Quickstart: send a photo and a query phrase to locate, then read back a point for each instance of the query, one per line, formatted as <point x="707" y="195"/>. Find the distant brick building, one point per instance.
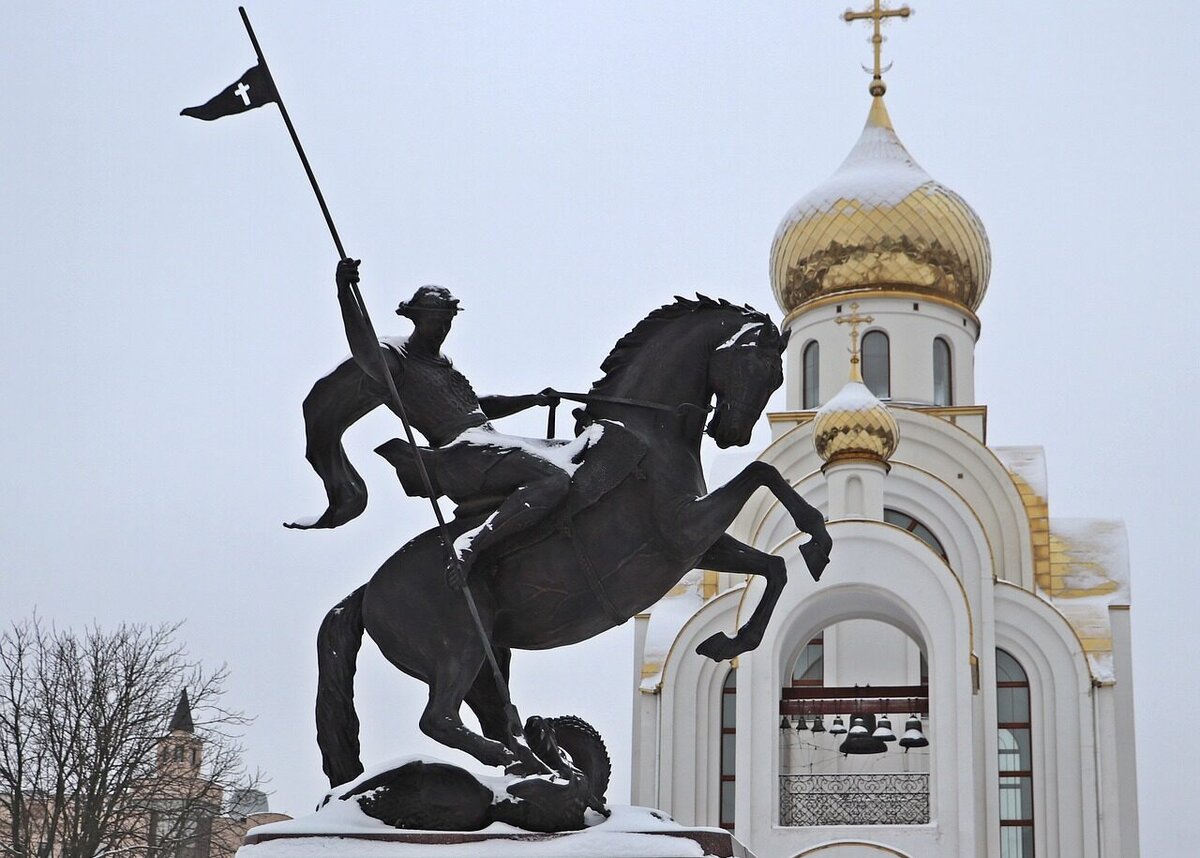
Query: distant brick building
<point x="194" y="818"/>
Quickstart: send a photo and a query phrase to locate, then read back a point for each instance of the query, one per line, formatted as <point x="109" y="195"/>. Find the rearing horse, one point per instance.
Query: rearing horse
<point x="637" y="519"/>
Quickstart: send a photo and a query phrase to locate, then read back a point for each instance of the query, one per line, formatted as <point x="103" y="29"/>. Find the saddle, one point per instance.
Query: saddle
<point x="599" y="460"/>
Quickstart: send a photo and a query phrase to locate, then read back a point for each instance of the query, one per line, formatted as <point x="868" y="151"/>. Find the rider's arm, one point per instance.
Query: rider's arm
<point x="363" y="345"/>
<point x="495" y="407"/>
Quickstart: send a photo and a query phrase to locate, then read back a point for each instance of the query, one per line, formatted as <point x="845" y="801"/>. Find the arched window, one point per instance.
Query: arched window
<point x="728" y="748"/>
<point x="916" y="528"/>
<point x="1016" y="758"/>
<point x="877" y="364"/>
<point x="809" y="668"/>
<point x="812" y="369"/>
<point x="943" y="385"/>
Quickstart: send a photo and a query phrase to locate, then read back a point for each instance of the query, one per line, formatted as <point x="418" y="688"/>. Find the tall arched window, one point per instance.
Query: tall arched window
<point x="943" y="385"/>
<point x="877" y="364"/>
<point x="728" y="748"/>
<point x="812" y="369"/>
<point x="1016" y="758"/>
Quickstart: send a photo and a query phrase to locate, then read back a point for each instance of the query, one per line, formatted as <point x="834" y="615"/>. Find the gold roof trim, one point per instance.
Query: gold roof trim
<point x="881" y="292"/>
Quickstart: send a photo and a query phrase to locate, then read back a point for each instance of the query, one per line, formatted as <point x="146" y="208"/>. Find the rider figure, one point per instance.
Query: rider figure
<point x="440" y="404"/>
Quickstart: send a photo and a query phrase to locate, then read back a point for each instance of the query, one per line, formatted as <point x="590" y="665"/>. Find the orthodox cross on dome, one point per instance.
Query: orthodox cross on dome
<point x="876" y="14"/>
<point x="854" y="320"/>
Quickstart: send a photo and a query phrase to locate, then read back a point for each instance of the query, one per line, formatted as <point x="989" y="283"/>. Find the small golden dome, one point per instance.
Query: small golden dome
<point x="880" y="223"/>
<point x="854" y="424"/>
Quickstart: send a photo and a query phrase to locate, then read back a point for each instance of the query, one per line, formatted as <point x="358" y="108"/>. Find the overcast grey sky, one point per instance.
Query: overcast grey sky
<point x="563" y="168"/>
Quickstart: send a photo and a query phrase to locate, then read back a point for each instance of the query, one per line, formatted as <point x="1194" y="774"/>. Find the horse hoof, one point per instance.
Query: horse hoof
<point x="815" y="559"/>
<point x="719" y="647"/>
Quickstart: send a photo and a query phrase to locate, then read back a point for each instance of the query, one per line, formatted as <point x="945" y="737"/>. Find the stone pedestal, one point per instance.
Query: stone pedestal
<point x="668" y="840"/>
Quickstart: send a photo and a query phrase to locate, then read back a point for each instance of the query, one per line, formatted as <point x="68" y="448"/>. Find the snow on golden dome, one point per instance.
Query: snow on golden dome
<point x="854" y="424"/>
<point x="880" y="223"/>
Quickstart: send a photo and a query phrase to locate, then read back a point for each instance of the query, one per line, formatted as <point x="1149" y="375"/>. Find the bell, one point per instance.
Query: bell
<point x="860" y="741"/>
<point x="884" y="730"/>
<point x="913" y="737"/>
<point x="801" y="724"/>
<point x="838" y="727"/>
<point x="818" y="725"/>
<point x="784" y="724"/>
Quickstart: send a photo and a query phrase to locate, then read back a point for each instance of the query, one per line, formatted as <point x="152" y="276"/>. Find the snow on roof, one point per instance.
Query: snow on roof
<point x="1089" y="573"/>
<point x="879" y="171"/>
<point x="1091" y="557"/>
<point x="1028" y="463"/>
<point x="854" y="396"/>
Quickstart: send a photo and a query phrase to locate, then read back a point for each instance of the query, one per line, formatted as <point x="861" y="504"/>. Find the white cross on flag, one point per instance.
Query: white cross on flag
<point x="251" y="90"/>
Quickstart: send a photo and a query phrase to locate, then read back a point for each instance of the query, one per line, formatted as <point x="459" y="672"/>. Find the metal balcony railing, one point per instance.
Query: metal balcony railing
<point x="878" y="798"/>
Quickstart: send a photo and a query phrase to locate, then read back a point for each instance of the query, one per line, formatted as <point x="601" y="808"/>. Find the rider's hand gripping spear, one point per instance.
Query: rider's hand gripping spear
<point x="254" y="89"/>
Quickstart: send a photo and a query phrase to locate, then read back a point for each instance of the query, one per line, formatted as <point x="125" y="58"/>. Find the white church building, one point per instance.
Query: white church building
<point x="992" y="636"/>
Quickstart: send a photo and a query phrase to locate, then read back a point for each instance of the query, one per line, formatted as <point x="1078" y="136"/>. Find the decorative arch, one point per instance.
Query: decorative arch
<point x="1060" y="698"/>
<point x="932" y="455"/>
<point x="851" y="849"/>
<point x="857" y="586"/>
<point x="690" y="699"/>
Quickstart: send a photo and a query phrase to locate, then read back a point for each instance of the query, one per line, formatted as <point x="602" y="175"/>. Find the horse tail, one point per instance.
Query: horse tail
<point x="338" y="642"/>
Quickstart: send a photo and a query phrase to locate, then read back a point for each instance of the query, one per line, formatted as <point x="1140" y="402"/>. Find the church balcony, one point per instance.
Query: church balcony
<point x="876" y="798"/>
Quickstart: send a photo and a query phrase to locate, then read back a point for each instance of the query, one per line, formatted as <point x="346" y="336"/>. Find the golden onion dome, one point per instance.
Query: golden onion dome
<point x="854" y="424"/>
<point x="880" y="223"/>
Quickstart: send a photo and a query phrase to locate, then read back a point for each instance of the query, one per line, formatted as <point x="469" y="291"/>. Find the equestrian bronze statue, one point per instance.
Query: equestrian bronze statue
<point x="562" y="539"/>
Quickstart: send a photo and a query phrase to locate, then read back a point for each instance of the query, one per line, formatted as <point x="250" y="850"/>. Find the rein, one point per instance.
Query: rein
<point x="588" y="398"/>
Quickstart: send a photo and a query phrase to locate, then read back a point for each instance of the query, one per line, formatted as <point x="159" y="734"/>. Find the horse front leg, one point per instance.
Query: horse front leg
<point x="702" y="520"/>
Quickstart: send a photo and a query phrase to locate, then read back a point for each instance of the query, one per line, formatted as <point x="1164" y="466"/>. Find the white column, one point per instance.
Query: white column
<point x="856" y="489"/>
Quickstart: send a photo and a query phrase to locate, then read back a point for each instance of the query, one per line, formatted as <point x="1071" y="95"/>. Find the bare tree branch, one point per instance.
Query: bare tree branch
<point x="87" y="763"/>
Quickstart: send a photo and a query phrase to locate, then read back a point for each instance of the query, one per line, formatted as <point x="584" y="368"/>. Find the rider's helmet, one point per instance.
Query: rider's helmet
<point x="429" y="299"/>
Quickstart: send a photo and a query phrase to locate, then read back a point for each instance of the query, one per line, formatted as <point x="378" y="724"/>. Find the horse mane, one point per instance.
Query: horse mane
<point x="653" y="324"/>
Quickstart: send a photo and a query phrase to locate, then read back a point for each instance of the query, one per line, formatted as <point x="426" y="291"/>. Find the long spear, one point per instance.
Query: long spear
<point x="395" y="403"/>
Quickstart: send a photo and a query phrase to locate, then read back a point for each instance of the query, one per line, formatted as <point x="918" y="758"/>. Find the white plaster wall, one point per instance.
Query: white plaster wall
<point x="911" y="334"/>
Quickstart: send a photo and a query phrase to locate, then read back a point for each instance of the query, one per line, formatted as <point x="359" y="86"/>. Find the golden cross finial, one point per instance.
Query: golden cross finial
<point x="854" y="320"/>
<point x="876" y="14"/>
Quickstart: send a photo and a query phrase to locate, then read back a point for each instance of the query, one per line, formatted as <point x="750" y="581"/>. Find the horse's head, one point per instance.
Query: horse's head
<point x="691" y="351"/>
<point x="743" y="372"/>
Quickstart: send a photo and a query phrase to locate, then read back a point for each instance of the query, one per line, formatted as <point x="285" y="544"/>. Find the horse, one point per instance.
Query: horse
<point x="638" y="518"/>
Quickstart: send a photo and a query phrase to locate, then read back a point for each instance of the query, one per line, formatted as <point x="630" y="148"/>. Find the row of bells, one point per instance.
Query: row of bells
<point x="860" y="740"/>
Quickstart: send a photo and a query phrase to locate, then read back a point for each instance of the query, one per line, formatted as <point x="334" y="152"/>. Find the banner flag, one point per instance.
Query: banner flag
<point x="253" y="89"/>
